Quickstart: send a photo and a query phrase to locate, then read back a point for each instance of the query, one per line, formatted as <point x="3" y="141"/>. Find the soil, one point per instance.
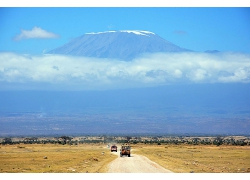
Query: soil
<point x="135" y="164"/>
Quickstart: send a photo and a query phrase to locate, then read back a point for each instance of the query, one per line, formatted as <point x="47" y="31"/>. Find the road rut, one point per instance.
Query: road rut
<point x="135" y="164"/>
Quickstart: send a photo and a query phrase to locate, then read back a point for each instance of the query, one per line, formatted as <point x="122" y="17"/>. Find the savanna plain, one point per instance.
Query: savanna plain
<point x="95" y="158"/>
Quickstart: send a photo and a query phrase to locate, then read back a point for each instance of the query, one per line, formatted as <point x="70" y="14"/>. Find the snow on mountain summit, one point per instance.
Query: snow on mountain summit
<point x="123" y="45"/>
<point x="137" y="32"/>
<point x="143" y="33"/>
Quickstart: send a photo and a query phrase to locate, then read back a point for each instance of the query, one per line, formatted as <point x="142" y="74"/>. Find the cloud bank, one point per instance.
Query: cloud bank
<point x="82" y="73"/>
<point x="36" y="32"/>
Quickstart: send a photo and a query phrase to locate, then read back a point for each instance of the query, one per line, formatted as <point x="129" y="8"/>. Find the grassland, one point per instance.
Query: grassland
<point x="49" y="158"/>
<point x="92" y="158"/>
<point x="198" y="158"/>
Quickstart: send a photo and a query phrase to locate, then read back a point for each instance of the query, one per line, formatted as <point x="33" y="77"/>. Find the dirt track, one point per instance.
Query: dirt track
<point x="135" y="164"/>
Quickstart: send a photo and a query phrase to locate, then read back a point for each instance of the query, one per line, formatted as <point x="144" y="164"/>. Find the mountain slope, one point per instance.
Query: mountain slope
<point x="124" y="45"/>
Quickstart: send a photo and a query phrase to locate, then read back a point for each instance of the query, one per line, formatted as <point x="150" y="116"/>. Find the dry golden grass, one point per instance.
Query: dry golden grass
<point x="34" y="158"/>
<point x="198" y="158"/>
<point x="90" y="158"/>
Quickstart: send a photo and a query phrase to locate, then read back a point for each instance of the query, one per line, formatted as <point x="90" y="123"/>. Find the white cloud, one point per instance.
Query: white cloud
<point x="36" y="32"/>
<point x="67" y="72"/>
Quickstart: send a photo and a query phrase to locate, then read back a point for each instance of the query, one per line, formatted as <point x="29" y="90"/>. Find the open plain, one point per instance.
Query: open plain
<point x="49" y="158"/>
<point x="97" y="158"/>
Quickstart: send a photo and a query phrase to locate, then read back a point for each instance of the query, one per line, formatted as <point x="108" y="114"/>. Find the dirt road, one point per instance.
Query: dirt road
<point x="135" y="164"/>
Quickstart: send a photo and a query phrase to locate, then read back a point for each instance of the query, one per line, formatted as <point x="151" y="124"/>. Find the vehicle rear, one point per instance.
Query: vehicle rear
<point x="125" y="150"/>
<point x="113" y="148"/>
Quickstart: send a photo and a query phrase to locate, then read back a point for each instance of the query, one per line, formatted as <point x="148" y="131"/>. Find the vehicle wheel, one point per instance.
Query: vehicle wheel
<point x="129" y="155"/>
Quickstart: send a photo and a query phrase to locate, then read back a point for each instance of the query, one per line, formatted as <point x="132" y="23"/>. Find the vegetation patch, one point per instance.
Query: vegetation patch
<point x="229" y="154"/>
<point x="198" y="158"/>
<point x="50" y="158"/>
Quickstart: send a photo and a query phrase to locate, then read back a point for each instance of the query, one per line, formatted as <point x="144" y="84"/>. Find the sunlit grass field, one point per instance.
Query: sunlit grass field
<point x="49" y="158"/>
<point x="198" y="158"/>
<point x="94" y="158"/>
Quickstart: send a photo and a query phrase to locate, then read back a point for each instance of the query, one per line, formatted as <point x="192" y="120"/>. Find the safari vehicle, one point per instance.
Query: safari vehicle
<point x="125" y="150"/>
<point x="113" y="148"/>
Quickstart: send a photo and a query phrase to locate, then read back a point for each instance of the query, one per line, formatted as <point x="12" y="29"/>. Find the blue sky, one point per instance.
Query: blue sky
<point x="198" y="29"/>
<point x="29" y="32"/>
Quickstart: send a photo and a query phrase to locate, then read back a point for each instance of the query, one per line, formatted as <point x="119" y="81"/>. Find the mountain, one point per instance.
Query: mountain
<point x="124" y="45"/>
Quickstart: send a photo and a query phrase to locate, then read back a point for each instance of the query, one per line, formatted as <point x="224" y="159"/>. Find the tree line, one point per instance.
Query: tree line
<point x="132" y="140"/>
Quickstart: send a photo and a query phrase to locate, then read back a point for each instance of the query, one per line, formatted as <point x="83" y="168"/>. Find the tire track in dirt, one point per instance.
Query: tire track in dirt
<point x="135" y="164"/>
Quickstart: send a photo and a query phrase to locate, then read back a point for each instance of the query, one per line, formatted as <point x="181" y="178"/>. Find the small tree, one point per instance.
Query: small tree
<point x="128" y="138"/>
<point x="196" y="141"/>
<point x="65" y="139"/>
<point x="7" y="141"/>
<point x="218" y="141"/>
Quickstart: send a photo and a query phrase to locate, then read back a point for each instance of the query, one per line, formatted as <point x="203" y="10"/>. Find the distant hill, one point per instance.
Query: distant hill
<point x="124" y="45"/>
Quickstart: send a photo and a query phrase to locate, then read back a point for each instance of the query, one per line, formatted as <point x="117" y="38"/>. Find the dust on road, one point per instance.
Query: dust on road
<point x="135" y="164"/>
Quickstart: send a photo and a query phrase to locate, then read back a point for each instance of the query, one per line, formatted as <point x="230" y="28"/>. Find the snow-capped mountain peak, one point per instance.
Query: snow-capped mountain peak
<point x="101" y="32"/>
<point x="137" y="32"/>
<point x="123" y="45"/>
